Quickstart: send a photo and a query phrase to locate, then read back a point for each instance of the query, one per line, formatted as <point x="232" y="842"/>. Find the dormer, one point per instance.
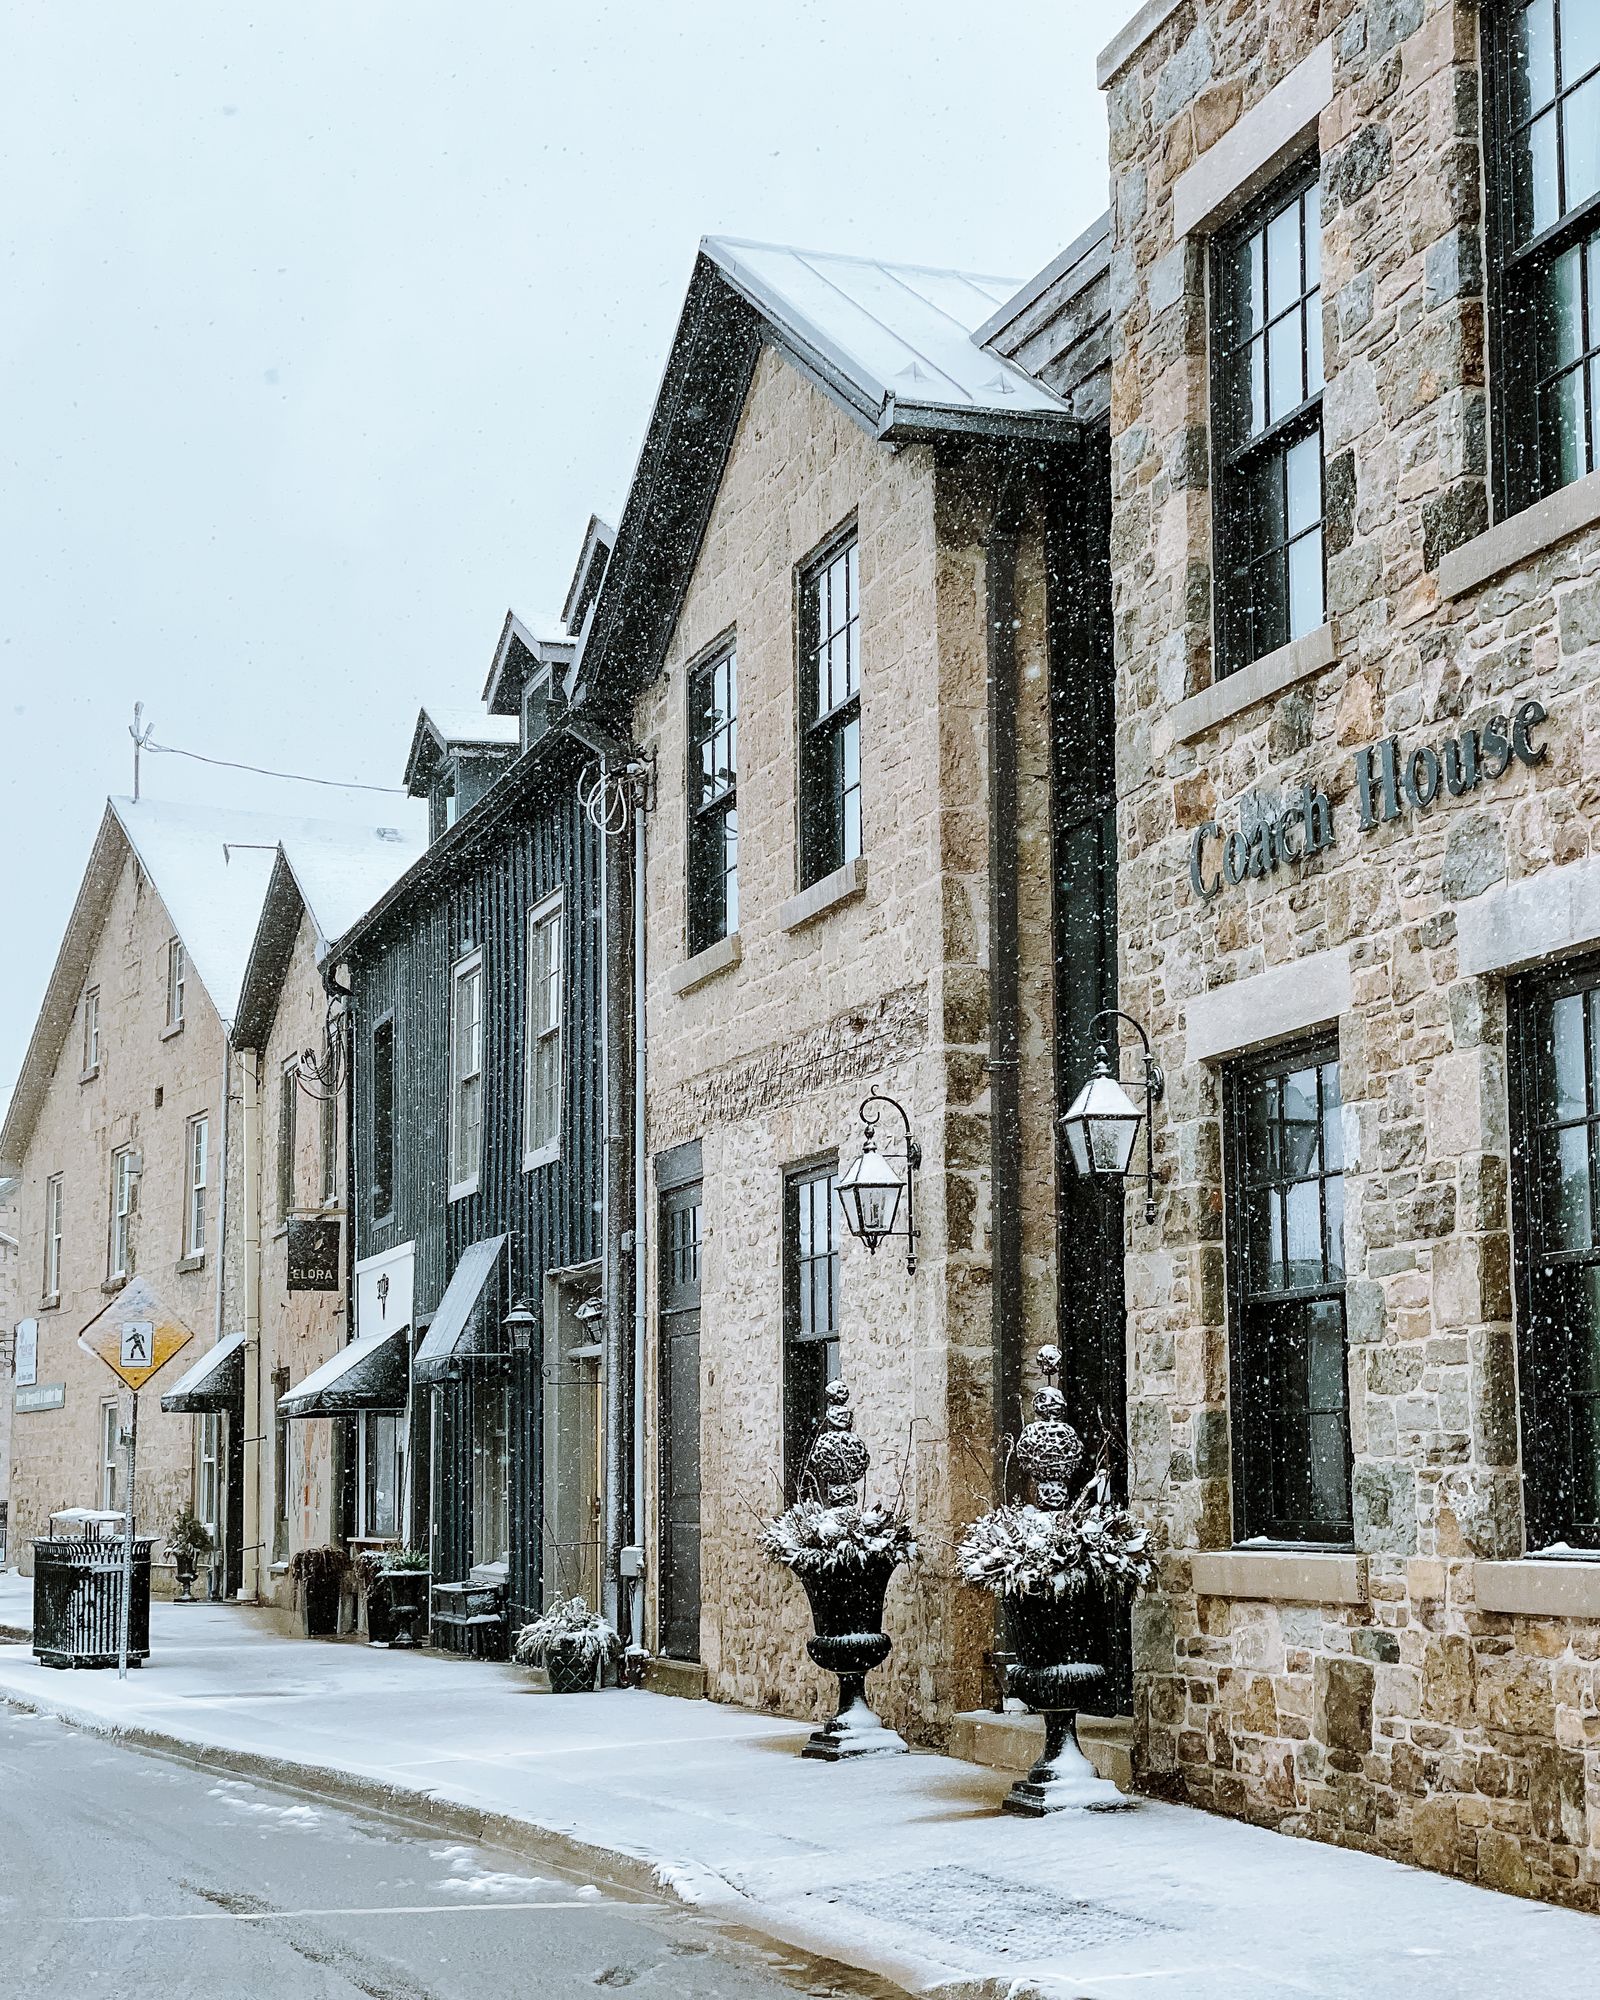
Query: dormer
<point x="598" y="541"/>
<point x="527" y="680"/>
<point x="455" y="757"/>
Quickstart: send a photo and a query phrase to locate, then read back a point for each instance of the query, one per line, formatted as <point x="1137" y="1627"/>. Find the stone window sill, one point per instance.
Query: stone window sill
<point x="116" y="1284"/>
<point x="844" y="885"/>
<point x="1280" y="1576"/>
<point x="187" y="1264"/>
<point x="172" y="1028"/>
<point x="1521" y="538"/>
<point x="1565" y="1587"/>
<point x="50" y="1303"/>
<point x="88" y="1075"/>
<point x="1260" y="681"/>
<point x="717" y="958"/>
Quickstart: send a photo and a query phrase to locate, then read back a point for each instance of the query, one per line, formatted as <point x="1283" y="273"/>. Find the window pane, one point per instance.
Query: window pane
<point x="1311" y="203"/>
<point x="1569" y="1070"/>
<point x="1303" y="481"/>
<point x="1533" y="59"/>
<point x="1283" y="258"/>
<point x="1305" y="585"/>
<point x="1581" y="120"/>
<point x="1285" y="382"/>
<point x="1571" y="1223"/>
<point x="1537" y="194"/>
<point x="1580" y="40"/>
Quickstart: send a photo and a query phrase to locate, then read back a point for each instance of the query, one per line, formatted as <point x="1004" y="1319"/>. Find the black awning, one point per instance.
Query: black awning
<point x="215" y="1382"/>
<point x="369" y="1374"/>
<point x="458" y="1328"/>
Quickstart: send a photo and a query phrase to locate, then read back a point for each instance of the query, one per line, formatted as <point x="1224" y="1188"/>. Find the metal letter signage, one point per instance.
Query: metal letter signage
<point x="313" y="1254"/>
<point x="1272" y="831"/>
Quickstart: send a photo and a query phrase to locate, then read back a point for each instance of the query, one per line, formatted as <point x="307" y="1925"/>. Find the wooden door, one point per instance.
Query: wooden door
<point x="680" y="1422"/>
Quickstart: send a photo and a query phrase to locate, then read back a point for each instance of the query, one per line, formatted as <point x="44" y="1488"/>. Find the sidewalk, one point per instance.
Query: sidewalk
<point x="900" y="1866"/>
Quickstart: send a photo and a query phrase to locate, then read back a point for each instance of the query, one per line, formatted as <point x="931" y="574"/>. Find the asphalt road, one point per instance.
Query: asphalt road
<point x="132" y="1877"/>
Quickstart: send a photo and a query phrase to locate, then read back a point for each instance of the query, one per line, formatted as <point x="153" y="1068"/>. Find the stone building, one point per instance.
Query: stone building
<point x="842" y="591"/>
<point x="1356" y="559"/>
<point x="10" y="1310"/>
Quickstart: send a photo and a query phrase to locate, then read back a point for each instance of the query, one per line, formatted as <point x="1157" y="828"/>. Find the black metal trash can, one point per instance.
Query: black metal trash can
<point x="77" y="1601"/>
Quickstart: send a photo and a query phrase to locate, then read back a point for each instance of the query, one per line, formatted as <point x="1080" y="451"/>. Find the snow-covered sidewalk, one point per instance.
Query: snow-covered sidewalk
<point x="900" y="1865"/>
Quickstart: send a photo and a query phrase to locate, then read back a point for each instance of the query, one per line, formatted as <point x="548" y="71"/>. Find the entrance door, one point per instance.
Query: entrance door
<point x="574" y="1443"/>
<point x="680" y="1422"/>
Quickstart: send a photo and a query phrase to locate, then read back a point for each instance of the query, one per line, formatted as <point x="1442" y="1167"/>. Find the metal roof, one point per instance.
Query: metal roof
<point x="897" y="341"/>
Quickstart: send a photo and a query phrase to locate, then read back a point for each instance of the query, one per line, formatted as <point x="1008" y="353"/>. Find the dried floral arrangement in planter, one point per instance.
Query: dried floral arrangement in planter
<point x="1039" y="1560"/>
<point x="189" y="1540"/>
<point x="572" y="1644"/>
<point x="844" y="1550"/>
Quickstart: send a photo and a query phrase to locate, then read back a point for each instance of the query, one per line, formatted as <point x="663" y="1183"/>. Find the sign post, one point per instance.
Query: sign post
<point x="135" y="1335"/>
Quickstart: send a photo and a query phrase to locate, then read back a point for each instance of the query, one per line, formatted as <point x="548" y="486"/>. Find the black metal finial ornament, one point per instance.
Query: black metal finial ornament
<point x="839" y="1458"/>
<point x="1049" y="1449"/>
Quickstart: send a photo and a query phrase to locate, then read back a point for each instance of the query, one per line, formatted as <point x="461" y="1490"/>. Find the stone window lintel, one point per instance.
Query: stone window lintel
<point x="1281" y="1575"/>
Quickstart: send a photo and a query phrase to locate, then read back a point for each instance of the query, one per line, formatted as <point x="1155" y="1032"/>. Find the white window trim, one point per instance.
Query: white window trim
<point x="196" y="1186"/>
<point x="54" y="1203"/>
<point x="110" y="1442"/>
<point x="177" y="980"/>
<point x="117" y="1267"/>
<point x="464" y="1184"/>
<point x="364" y="1528"/>
<point x="543" y="1156"/>
<point x="288" y="1138"/>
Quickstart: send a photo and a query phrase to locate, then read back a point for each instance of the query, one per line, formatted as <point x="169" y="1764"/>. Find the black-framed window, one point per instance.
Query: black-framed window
<point x="830" y="711"/>
<point x="810" y="1309"/>
<point x="713" y="800"/>
<point x="383" y="1117"/>
<point x="1555" y="1029"/>
<point x="1266" y="394"/>
<point x="1543" y="74"/>
<point x="1289" y="1381"/>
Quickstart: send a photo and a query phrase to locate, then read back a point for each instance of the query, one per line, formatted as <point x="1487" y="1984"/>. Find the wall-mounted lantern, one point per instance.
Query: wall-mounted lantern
<point x="1102" y="1124"/>
<point x="521" y="1323"/>
<point x="872" y="1187"/>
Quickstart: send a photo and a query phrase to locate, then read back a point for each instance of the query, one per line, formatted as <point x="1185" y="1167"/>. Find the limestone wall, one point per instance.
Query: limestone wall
<point x="1409" y="1719"/>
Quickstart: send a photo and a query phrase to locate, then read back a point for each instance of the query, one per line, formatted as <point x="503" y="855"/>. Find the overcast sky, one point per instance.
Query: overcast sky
<point x="325" y="327"/>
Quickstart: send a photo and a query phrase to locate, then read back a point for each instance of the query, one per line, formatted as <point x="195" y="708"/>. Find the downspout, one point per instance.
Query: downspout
<point x="611" y="1269"/>
<point x="640" y="1200"/>
<point x="250" y="1196"/>
<point x="1005" y="1122"/>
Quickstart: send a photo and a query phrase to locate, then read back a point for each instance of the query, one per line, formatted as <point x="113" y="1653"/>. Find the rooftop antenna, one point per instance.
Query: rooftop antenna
<point x="141" y="732"/>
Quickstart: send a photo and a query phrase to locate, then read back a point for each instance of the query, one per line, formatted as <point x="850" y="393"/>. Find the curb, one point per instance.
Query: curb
<point x="691" y="1885"/>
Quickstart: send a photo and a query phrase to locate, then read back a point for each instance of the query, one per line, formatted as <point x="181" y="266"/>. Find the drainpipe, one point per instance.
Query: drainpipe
<point x="640" y="1199"/>
<point x="250" y="1198"/>
<point x="1005" y="1123"/>
<point x="610" y="1583"/>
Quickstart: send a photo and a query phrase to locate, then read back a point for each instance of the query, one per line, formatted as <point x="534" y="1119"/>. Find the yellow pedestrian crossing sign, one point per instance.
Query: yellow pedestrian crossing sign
<point x="134" y="1334"/>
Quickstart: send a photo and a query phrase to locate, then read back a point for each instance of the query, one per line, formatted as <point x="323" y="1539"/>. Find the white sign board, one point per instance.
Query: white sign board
<point x="27" y="1356"/>
<point x="383" y="1291"/>
<point x="138" y="1342"/>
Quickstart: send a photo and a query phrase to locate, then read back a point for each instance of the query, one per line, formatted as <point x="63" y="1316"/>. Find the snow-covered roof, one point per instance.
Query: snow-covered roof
<point x="441" y="730"/>
<point x="502" y="696"/>
<point x="900" y="337"/>
<point x="211" y="867"/>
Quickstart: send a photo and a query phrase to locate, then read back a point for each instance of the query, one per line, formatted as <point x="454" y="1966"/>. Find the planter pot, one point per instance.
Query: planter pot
<point x="847" y="1611"/>
<point x="404" y="1592"/>
<point x="319" y="1605"/>
<point x="572" y="1670"/>
<point x="185" y="1569"/>
<point x="1045" y="1676"/>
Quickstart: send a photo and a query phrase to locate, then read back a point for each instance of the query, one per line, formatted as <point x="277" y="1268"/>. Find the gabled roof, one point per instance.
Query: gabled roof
<point x="333" y="877"/>
<point x="896" y="343"/>
<point x="210" y="866"/>
<point x="599" y="538"/>
<point x="508" y="671"/>
<point x="440" y="731"/>
<point x="894" y="346"/>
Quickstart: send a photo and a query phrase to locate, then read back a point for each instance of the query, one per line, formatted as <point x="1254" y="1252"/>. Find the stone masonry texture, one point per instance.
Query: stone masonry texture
<point x="1413" y="1724"/>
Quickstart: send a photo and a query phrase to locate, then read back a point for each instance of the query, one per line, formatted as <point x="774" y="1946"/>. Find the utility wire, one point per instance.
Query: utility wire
<point x="295" y="777"/>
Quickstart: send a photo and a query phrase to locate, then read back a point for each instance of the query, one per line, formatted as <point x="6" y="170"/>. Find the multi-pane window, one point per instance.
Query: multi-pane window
<point x="381" y="1473"/>
<point x="110" y="1455"/>
<point x="1285" y="1168"/>
<point x="830" y="712"/>
<point x="383" y="1118"/>
<point x="288" y="1136"/>
<point x="1267" y="413"/>
<point x="91" y="1031"/>
<point x="281" y="1477"/>
<point x="54" y="1189"/>
<point x="541" y="1111"/>
<point x="121" y="1211"/>
<point x="466" y="1073"/>
<point x="197" y="1170"/>
<point x="1556" y="1096"/>
<point x="810" y="1311"/>
<point x="713" y="801"/>
<point x="1544" y="70"/>
<point x="208" y="1473"/>
<point x="177" y="977"/>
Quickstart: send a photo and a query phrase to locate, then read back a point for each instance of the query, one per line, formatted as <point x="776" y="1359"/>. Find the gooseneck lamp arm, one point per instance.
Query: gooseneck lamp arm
<point x="1153" y="1084"/>
<point x="870" y="1194"/>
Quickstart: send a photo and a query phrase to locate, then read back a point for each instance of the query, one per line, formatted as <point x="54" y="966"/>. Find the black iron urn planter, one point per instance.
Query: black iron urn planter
<point x="319" y="1575"/>
<point x="1039" y="1561"/>
<point x="405" y="1595"/>
<point x="571" y="1642"/>
<point x="844" y="1554"/>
